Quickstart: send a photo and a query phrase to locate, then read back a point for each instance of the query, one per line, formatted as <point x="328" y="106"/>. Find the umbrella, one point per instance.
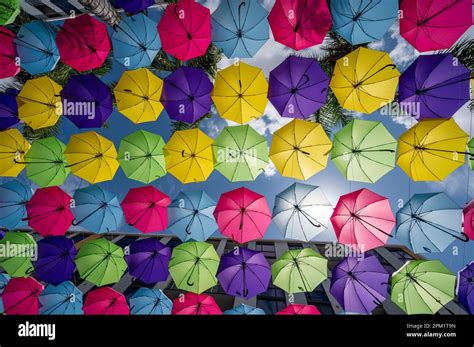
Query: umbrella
<point x="83" y="43"/>
<point x="240" y="28"/>
<point x="468" y="220"/>
<point x="243" y="215"/>
<point x="13" y="147"/>
<point x="244" y="273"/>
<point x="185" y="29"/>
<point x="429" y="26"/>
<point x="21" y="296"/>
<point x="470" y="146"/>
<point x="9" y="10"/>
<point x="188" y="156"/>
<point x="240" y="153"/>
<point x="364" y="151"/>
<point x="92" y="157"/>
<point x="13" y="198"/>
<point x="299" y="270"/>
<point x="300" y="149"/>
<point x="134" y="6"/>
<point x="4" y="278"/>
<point x="8" y="109"/>
<point x="432" y="149"/>
<point x="145" y="209"/>
<point x="244" y="310"/>
<point x="190" y="216"/>
<point x="138" y="95"/>
<point x="17" y="263"/>
<point x="9" y="66"/>
<point x="363" y="220"/>
<point x="298" y="87"/>
<point x="240" y="93"/>
<point x="359" y="284"/>
<point x="148" y="301"/>
<point x="63" y="299"/>
<point x="105" y="301"/>
<point x="193" y="266"/>
<point x="148" y="260"/>
<point x="465" y="287"/>
<point x="422" y="286"/>
<point x="187" y="94"/>
<point x="364" y="80"/>
<point x="301" y="211"/>
<point x="298" y="310"/>
<point x="100" y="262"/>
<point x="97" y="210"/>
<point x="195" y="304"/>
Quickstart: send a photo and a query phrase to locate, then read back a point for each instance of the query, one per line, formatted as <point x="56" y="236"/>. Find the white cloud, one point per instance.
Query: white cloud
<point x="270" y="170"/>
<point x="270" y="122"/>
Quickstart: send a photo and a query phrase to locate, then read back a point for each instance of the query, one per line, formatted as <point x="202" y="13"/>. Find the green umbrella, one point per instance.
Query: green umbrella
<point x="193" y="266"/>
<point x="470" y="146"/>
<point x="422" y="286"/>
<point x="100" y="262"/>
<point x="9" y="10"/>
<point x="240" y="153"/>
<point x="364" y="151"/>
<point x="299" y="270"/>
<point x="141" y="156"/>
<point x="18" y="249"/>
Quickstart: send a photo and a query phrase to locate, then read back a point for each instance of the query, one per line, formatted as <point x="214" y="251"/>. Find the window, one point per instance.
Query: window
<point x="295" y="246"/>
<point x="270" y="306"/>
<point x="319" y="298"/>
<point x="268" y="250"/>
<point x="125" y="241"/>
<point x="173" y="243"/>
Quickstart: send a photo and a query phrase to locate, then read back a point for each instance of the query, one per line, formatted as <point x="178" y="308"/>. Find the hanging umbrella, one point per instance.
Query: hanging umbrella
<point x="8" y="109"/>
<point x="187" y="94"/>
<point x="470" y="146"/>
<point x="148" y="301"/>
<point x="4" y="279"/>
<point x="9" y="66"/>
<point x="240" y="153"/>
<point x="13" y="198"/>
<point x="468" y="220"/>
<point x="363" y="220"/>
<point x="243" y="215"/>
<point x="9" y="10"/>
<point x="13" y="147"/>
<point x="299" y="270"/>
<point x="422" y="286"/>
<point x="244" y="310"/>
<point x="63" y="299"/>
<point x="105" y="301"/>
<point x="193" y="266"/>
<point x="240" y="28"/>
<point x="190" y="216"/>
<point x="185" y="29"/>
<point x="18" y="263"/>
<point x="364" y="151"/>
<point x="465" y="287"/>
<point x="301" y="211"/>
<point x="240" y="93"/>
<point x="100" y="262"/>
<point x="21" y="296"/>
<point x="195" y="304"/>
<point x="359" y="284"/>
<point x="134" y="6"/>
<point x="298" y="310"/>
<point x="145" y="209"/>
<point x="300" y="149"/>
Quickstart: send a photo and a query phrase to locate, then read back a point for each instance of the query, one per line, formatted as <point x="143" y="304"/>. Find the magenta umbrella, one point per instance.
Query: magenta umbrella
<point x="105" y="301"/>
<point x="8" y="63"/>
<point x="21" y="296"/>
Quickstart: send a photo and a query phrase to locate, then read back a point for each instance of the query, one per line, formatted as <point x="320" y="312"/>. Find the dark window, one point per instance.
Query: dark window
<point x="295" y="246"/>
<point x="319" y="298"/>
<point x="65" y="5"/>
<point x="268" y="249"/>
<point x="125" y="241"/>
<point x="270" y="306"/>
<point x="173" y="243"/>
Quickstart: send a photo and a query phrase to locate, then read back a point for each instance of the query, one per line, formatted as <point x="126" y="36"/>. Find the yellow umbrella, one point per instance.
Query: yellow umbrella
<point x="188" y="156"/>
<point x="240" y="93"/>
<point x="13" y="147"/>
<point x="432" y="149"/>
<point x="92" y="157"/>
<point x="39" y="103"/>
<point x="364" y="80"/>
<point x="138" y="94"/>
<point x="300" y="149"/>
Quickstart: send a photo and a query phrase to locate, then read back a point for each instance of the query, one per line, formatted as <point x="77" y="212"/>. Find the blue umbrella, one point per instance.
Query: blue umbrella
<point x="62" y="299"/>
<point x="240" y="28"/>
<point x="148" y="301"/>
<point x="4" y="278"/>
<point x="8" y="109"/>
<point x="245" y="310"/>
<point x="13" y="198"/>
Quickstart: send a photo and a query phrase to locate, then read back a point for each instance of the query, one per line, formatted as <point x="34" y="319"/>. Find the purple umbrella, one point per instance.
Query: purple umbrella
<point x="244" y="273"/>
<point x="186" y="94"/>
<point x="359" y="284"/>
<point x="298" y="87"/>
<point x="8" y="109"/>
<point x="434" y="86"/>
<point x="134" y="6"/>
<point x="465" y="287"/>
<point x="87" y="101"/>
<point x="148" y="260"/>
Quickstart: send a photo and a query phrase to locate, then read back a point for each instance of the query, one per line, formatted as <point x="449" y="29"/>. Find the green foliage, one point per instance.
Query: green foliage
<point x="178" y="125"/>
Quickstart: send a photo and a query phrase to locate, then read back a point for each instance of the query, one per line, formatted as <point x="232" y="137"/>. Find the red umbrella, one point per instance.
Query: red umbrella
<point x="83" y="43"/>
<point x="297" y="309"/>
<point x="195" y="304"/>
<point x="8" y="63"/>
<point x="145" y="209"/>
<point x="49" y="211"/>
<point x="105" y="301"/>
<point x="21" y="296"/>
<point x="185" y="29"/>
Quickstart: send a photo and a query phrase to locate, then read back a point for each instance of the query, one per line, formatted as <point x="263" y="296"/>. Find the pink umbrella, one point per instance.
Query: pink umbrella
<point x="21" y="296"/>
<point x="297" y="309"/>
<point x="242" y="215"/>
<point x="363" y="220"/>
<point x="185" y="29"/>
<point x="195" y="304"/>
<point x="145" y="209"/>
<point x="8" y="63"/>
<point x="468" y="223"/>
<point x="105" y="301"/>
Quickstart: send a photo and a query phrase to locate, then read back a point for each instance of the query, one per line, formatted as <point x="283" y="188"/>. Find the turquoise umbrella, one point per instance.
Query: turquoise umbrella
<point x="245" y="310"/>
<point x="63" y="299"/>
<point x="148" y="301"/>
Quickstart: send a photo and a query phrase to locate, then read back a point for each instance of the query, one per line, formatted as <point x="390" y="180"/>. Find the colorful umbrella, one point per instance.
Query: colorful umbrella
<point x="13" y="198"/>
<point x="18" y="263"/>
<point x="298" y="310"/>
<point x="465" y="287"/>
<point x="9" y="10"/>
<point x="21" y="296"/>
<point x="13" y="147"/>
<point x="63" y="299"/>
<point x="148" y="301"/>
<point x="9" y="66"/>
<point x="134" y="6"/>
<point x="195" y="304"/>
<point x="4" y="279"/>
<point x="244" y="310"/>
<point x="470" y="146"/>
<point x="468" y="220"/>
<point x="105" y="301"/>
<point x="8" y="109"/>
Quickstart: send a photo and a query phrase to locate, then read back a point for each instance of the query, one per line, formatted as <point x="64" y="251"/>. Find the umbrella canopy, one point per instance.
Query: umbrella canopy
<point x="243" y="215"/>
<point x="422" y="286"/>
<point x="299" y="270"/>
<point x="363" y="220"/>
<point x="13" y="198"/>
<point x="193" y="266"/>
<point x="244" y="310"/>
<point x="18" y="264"/>
<point x="240" y="153"/>
<point x="301" y="211"/>
<point x="13" y="147"/>
<point x="134" y="6"/>
<point x="9" y="10"/>
<point x="240" y="28"/>
<point x="470" y="146"/>
<point x="185" y="29"/>
<point x="105" y="301"/>
<point x="240" y="93"/>
<point x="364" y="151"/>
<point x="8" y="109"/>
<point x="195" y="304"/>
<point x="298" y="310"/>
<point x="63" y="299"/>
<point x="4" y="278"/>
<point x="191" y="216"/>
<point x="21" y="296"/>
<point x="465" y="287"/>
<point x="8" y="54"/>
<point x="468" y="220"/>
<point x="300" y="149"/>
<point x="148" y="301"/>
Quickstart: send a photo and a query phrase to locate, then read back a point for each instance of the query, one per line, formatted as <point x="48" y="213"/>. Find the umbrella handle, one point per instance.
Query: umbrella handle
<point x="189" y="283"/>
<point x="30" y="270"/>
<point x="242" y="3"/>
<point x="75" y="222"/>
<point x="246" y="292"/>
<point x="464" y="238"/>
<point x="378" y="302"/>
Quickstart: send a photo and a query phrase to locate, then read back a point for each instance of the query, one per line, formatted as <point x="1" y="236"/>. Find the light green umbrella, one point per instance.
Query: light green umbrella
<point x="422" y="286"/>
<point x="240" y="153"/>
<point x="141" y="156"/>
<point x="18" y="250"/>
<point x="9" y="10"/>
<point x="299" y="270"/>
<point x="364" y="151"/>
<point x="193" y="266"/>
<point x="470" y="146"/>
